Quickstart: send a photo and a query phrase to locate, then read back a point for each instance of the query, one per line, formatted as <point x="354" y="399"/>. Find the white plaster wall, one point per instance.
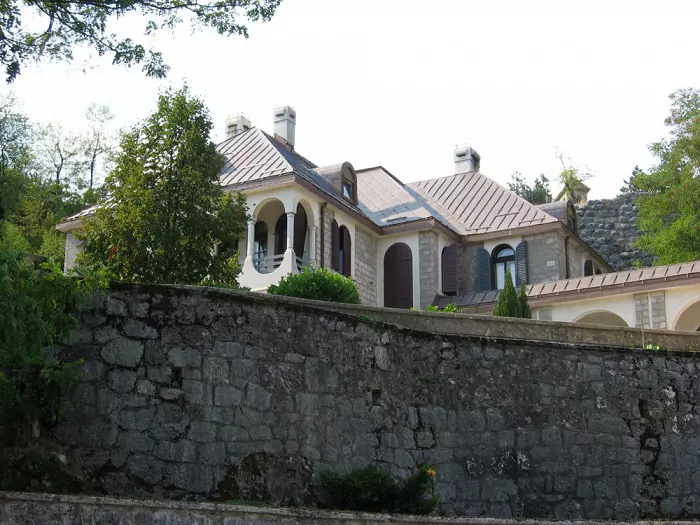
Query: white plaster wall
<point x="512" y="241"/>
<point x="72" y="250"/>
<point x="383" y="244"/>
<point x="622" y="305"/>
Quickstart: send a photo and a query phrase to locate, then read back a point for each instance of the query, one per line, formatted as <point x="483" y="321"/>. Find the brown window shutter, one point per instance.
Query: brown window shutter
<point x="449" y="270"/>
<point x="347" y="252"/>
<point x="335" y="246"/>
<point x="398" y="277"/>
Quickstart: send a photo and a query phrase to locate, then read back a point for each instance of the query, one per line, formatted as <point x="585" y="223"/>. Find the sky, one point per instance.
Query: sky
<point x="399" y="83"/>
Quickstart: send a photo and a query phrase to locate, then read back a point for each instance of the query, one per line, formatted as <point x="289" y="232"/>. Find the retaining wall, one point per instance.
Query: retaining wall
<point x="207" y="393"/>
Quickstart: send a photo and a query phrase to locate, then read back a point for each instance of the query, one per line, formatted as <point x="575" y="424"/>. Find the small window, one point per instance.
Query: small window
<point x="341" y="250"/>
<point x="503" y="259"/>
<point x="349" y="190"/>
<point x="588" y="268"/>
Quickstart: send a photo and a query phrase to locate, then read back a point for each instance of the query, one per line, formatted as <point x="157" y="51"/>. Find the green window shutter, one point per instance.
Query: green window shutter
<point x="483" y="271"/>
<point x="521" y="264"/>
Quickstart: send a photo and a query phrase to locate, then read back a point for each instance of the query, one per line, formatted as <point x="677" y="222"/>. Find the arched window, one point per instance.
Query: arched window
<point x="341" y="249"/>
<point x="503" y="259"/>
<point x="588" y="268"/>
<point x="449" y="270"/>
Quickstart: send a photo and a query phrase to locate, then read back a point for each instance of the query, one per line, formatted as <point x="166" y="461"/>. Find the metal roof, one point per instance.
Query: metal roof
<point x="606" y="282"/>
<point x="479" y="204"/>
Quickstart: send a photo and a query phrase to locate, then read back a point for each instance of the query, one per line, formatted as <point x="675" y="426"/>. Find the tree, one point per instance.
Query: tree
<point x="669" y="204"/>
<point x="167" y="219"/>
<point x="59" y="153"/>
<point x="65" y="24"/>
<point x="538" y="193"/>
<point x="628" y="185"/>
<point x="524" y="310"/>
<point x="98" y="144"/>
<point x="509" y="304"/>
<point x="570" y="177"/>
<point x="15" y="139"/>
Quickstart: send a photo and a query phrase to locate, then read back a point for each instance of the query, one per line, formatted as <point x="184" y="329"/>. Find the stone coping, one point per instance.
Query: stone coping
<point x="284" y="515"/>
<point x="469" y="325"/>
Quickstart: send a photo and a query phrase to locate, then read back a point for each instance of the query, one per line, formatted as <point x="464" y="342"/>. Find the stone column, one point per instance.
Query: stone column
<point x="290" y="231"/>
<point x="312" y="245"/>
<point x="251" y="240"/>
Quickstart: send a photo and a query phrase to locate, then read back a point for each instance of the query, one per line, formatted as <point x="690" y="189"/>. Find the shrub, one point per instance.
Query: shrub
<point x="372" y="489"/>
<point x="318" y="283"/>
<point x="510" y="303"/>
<point x="36" y="315"/>
<point x="449" y="308"/>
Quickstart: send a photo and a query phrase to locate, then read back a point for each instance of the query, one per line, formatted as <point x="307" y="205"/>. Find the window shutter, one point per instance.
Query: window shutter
<point x="521" y="264"/>
<point x="588" y="268"/>
<point x="335" y="246"/>
<point x="406" y="276"/>
<point x="347" y="252"/>
<point x="450" y="270"/>
<point x="398" y="277"/>
<point x="300" y="227"/>
<point x="483" y="270"/>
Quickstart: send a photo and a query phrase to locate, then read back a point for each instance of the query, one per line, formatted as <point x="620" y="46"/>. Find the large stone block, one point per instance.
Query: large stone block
<point x="123" y="351"/>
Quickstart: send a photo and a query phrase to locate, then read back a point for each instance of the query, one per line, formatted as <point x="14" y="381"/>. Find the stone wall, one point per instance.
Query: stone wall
<point x="610" y="227"/>
<point x="365" y="266"/>
<point x="188" y="392"/>
<point x="428" y="267"/>
<point x="546" y="257"/>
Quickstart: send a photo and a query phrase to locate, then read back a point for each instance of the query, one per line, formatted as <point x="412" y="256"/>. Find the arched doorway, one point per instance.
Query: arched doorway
<point x="689" y="319"/>
<point x="398" y="276"/>
<point x="602" y="317"/>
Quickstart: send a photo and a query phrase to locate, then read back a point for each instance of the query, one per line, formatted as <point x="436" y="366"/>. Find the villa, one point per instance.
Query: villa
<point x="448" y="238"/>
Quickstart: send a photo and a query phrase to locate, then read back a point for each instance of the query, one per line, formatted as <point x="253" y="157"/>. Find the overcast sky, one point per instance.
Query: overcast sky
<point x="401" y="82"/>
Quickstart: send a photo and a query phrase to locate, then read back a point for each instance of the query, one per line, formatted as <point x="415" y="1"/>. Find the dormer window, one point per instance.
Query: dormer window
<point x="348" y="190"/>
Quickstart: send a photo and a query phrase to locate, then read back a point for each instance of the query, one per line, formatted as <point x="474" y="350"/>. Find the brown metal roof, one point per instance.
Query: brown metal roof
<point x="627" y="281"/>
<point x="477" y="204"/>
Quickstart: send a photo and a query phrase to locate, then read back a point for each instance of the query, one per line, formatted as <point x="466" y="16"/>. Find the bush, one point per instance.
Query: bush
<point x="318" y="283"/>
<point x="510" y="303"/>
<point x="450" y="308"/>
<point x="36" y="315"/>
<point x="372" y="489"/>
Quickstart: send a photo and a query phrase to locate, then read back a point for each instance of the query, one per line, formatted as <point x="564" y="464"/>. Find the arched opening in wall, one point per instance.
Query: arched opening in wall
<point x="588" y="268"/>
<point x="260" y="245"/>
<point x="601" y="317"/>
<point x="301" y="225"/>
<point x="450" y="272"/>
<point x="689" y="318"/>
<point x="281" y="235"/>
<point x="398" y="276"/>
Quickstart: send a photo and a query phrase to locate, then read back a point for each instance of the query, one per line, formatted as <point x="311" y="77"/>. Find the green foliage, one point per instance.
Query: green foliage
<point x="12" y="239"/>
<point x="570" y="177"/>
<point x="450" y="308"/>
<point x="669" y="203"/>
<point x="167" y="219"/>
<point x="510" y="303"/>
<point x="538" y="193"/>
<point x="57" y="27"/>
<point x="35" y="317"/>
<point x="318" y="283"/>
<point x="524" y="310"/>
<point x="373" y="489"/>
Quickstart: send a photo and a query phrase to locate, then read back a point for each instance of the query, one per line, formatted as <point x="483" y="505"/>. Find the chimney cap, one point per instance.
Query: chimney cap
<point x="466" y="159"/>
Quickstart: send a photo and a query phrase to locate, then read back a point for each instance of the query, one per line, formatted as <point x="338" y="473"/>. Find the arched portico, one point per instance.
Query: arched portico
<point x="688" y="319"/>
<point x="601" y="317"/>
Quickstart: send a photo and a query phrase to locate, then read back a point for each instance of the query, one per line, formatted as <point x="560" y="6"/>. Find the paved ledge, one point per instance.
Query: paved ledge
<point x="481" y="326"/>
<point x="38" y="508"/>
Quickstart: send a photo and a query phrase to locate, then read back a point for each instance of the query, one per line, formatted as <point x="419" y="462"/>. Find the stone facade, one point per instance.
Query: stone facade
<point x="428" y="261"/>
<point x="328" y="217"/>
<point x="610" y="227"/>
<point x="181" y="385"/>
<point x="650" y="310"/>
<point x="546" y="257"/>
<point x="365" y="266"/>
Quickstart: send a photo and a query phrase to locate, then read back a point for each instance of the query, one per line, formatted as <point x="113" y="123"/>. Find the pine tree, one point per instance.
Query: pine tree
<point x="508" y="305"/>
<point x="523" y="307"/>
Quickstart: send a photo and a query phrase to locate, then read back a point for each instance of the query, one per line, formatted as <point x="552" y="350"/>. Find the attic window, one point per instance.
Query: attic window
<point x="348" y="190"/>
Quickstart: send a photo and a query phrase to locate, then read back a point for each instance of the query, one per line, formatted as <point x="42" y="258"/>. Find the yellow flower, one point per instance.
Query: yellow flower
<point x="431" y="472"/>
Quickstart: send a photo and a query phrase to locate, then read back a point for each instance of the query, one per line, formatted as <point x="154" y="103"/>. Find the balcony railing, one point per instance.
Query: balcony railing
<point x="267" y="264"/>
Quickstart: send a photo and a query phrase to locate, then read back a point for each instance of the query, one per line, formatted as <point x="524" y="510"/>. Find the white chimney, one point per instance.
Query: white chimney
<point x="236" y="124"/>
<point x="466" y="159"/>
<point x="285" y="124"/>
